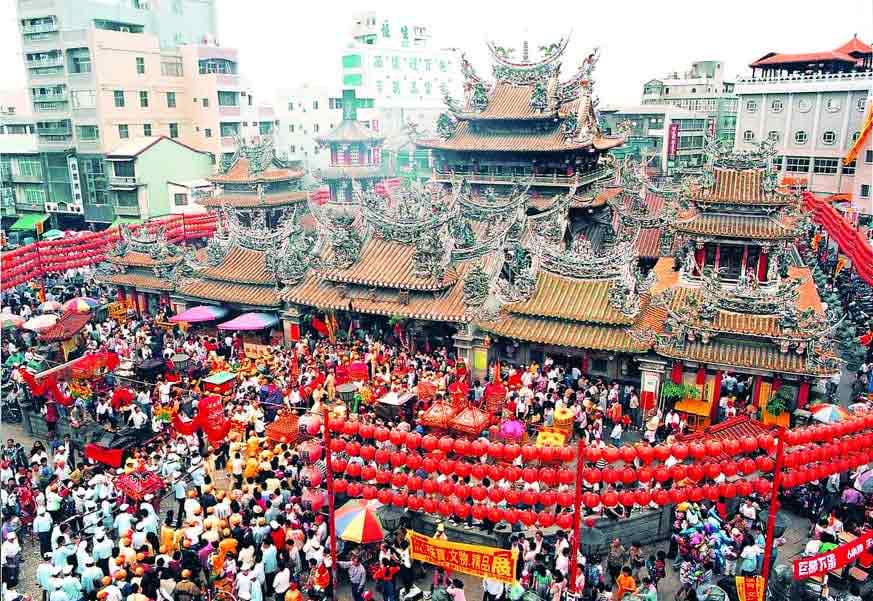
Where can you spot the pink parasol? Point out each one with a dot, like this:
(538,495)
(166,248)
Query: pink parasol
(512,429)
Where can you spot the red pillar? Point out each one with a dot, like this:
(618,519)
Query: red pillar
(676,374)
(744,259)
(777,384)
(717,256)
(763,266)
(700,258)
(331,503)
(121,294)
(756,390)
(577,517)
(774,505)
(803,395)
(716,387)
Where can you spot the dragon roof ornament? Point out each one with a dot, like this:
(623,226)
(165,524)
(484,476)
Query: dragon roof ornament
(526,72)
(720,155)
(259,153)
(151,243)
(406,213)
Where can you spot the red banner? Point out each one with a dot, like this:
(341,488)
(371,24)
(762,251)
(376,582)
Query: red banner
(672,140)
(750,588)
(816,565)
(477,560)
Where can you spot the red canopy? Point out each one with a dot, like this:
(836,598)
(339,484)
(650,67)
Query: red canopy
(65,328)
(138,484)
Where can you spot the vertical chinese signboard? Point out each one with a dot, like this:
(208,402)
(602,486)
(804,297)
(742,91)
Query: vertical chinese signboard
(750,588)
(477,560)
(710,128)
(672,140)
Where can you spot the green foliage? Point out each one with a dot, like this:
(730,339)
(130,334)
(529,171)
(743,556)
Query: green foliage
(396,319)
(779,401)
(673,392)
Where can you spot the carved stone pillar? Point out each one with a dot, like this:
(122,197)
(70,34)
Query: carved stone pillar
(471,345)
(291,324)
(651,377)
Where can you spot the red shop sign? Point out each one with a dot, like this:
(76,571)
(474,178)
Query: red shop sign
(816,565)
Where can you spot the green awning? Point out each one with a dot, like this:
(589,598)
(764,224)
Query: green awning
(29,221)
(119,220)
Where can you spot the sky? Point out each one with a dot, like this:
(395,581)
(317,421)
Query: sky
(285,43)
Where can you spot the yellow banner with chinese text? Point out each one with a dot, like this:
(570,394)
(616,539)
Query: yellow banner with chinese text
(750,588)
(476,560)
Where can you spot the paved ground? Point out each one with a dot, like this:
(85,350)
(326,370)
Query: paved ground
(795,539)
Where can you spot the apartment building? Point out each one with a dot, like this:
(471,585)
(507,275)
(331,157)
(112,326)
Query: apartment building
(670,140)
(104,75)
(812,107)
(701,89)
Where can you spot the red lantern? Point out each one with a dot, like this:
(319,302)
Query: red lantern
(711,492)
(645,474)
(412,440)
(766,442)
(564,499)
(567,454)
(350,428)
(399,499)
(712,470)
(337,445)
(592,475)
(510,515)
(762,486)
(591,500)
(566,476)
(548,454)
(478,493)
(495,451)
(429,486)
(513,474)
(564,520)
(462,446)
(397,437)
(337,424)
(384,496)
(548,476)
(463,469)
(662,474)
(546,518)
(627,499)
(413,483)
(764,464)
(478,471)
(727,490)
(529,475)
(609,498)
(593,454)
(513,497)
(340,485)
(381,434)
(789,480)
(429,465)
(677,472)
(611,454)
(496,472)
(744,488)
(695,494)
(413,461)
(353,470)
(528,453)
(414,502)
(382,455)
(609,475)
(446,467)
(548,498)
(353,449)
(478,512)
(446,444)
(495,514)
(697,450)
(397,459)
(714,448)
(661,497)
(747,466)
(628,475)
(399,479)
(628,454)
(368,472)
(694,472)
(528,518)
(495,494)
(643,497)
(677,495)
(662,452)
(645,453)
(528,497)
(732,446)
(355,489)
(383,477)
(429,443)
(429,505)
(511,452)
(748,445)
(679,451)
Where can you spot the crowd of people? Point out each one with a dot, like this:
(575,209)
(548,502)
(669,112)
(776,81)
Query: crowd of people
(242,515)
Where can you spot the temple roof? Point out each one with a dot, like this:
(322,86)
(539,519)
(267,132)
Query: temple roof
(511,102)
(253,200)
(739,186)
(553,140)
(573,299)
(737,226)
(561,332)
(243,266)
(229,292)
(850,52)
(142,259)
(743,355)
(384,264)
(139,281)
(241,172)
(349,131)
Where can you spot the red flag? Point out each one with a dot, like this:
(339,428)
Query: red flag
(319,326)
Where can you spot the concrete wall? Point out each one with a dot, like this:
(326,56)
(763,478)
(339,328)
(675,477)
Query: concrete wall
(164,162)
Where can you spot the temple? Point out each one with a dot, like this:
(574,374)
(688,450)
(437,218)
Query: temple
(355,153)
(732,299)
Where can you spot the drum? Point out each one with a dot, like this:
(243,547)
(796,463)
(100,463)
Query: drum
(563,421)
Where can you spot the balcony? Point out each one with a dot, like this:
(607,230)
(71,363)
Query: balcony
(228,141)
(127,211)
(123,182)
(53,97)
(24,205)
(54,130)
(226,79)
(228,111)
(39,28)
(38,63)
(564,181)
(19,178)
(51,107)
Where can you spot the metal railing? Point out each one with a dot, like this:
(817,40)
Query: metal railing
(123,181)
(39,27)
(511,178)
(765,78)
(129,211)
(57,61)
(53,97)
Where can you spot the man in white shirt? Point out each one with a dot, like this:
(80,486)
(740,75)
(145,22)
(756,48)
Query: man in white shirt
(493,589)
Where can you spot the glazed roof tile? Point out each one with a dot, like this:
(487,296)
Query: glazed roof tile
(239,173)
(464,138)
(242,266)
(573,299)
(384,264)
(559,332)
(278,199)
(138,281)
(735,355)
(243,294)
(758,227)
(350,131)
(739,186)
(510,102)
(140,259)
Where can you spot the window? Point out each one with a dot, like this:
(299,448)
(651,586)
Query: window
(171,66)
(251,99)
(428,88)
(354,80)
(868,156)
(180,200)
(748,136)
(207,132)
(140,65)
(351,61)
(292,149)
(773,135)
(291,128)
(865,190)
(829,137)
(800,137)
(171,100)
(412,62)
(314,105)
(860,104)
(29,168)
(850,168)
(83,99)
(217,65)
(378,62)
(174,130)
(123,131)
(147,130)
(777,105)
(315,128)
(228,98)
(205,103)
(395,62)
(413,87)
(443,66)
(118,95)
(825,166)
(290,106)
(229,129)
(427,64)
(599,365)
(751,106)
(144,99)
(34,195)
(379,86)
(797,164)
(395,87)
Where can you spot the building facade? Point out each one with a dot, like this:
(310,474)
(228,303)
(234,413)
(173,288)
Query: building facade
(309,111)
(702,89)
(668,139)
(101,74)
(394,62)
(811,107)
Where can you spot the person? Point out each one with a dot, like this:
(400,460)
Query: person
(749,557)
(559,585)
(625,584)
(456,590)
(541,581)
(357,576)
(615,559)
(648,590)
(185,589)
(384,576)
(492,589)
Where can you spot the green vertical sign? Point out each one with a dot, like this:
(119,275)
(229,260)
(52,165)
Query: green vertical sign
(350,106)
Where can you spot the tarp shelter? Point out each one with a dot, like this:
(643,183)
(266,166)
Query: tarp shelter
(29,222)
(250,321)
